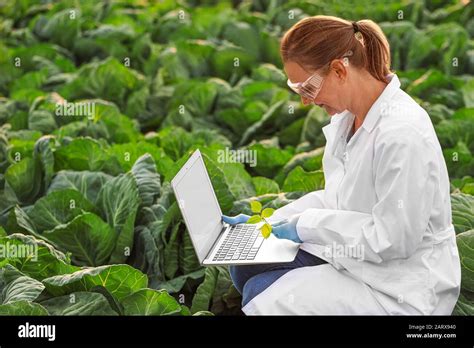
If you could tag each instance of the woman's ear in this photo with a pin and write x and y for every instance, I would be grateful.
(340, 69)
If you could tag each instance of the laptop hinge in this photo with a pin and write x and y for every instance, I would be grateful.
(224, 227)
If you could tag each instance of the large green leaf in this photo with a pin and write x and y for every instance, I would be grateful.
(176, 284)
(58, 207)
(43, 154)
(147, 179)
(86, 182)
(150, 302)
(214, 293)
(18, 286)
(119, 280)
(236, 177)
(79, 303)
(300, 180)
(23, 308)
(118, 200)
(80, 154)
(188, 261)
(171, 252)
(464, 306)
(462, 207)
(20, 222)
(270, 158)
(465, 242)
(24, 178)
(107, 79)
(264, 185)
(87, 237)
(45, 261)
(62, 27)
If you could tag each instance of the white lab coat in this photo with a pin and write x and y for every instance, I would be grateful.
(383, 221)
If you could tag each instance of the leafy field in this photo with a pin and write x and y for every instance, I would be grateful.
(91, 194)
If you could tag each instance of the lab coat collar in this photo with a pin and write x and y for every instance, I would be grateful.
(331, 129)
(381, 103)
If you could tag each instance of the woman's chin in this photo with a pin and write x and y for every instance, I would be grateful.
(330, 110)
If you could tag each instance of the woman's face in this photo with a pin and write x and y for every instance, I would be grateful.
(331, 94)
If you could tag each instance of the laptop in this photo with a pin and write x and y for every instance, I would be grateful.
(216, 242)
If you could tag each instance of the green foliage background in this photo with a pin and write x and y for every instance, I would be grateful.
(93, 194)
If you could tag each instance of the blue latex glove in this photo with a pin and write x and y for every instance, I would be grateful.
(234, 220)
(287, 229)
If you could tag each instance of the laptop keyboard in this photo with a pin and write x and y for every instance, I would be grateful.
(241, 243)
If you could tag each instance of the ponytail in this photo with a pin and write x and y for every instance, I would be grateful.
(377, 49)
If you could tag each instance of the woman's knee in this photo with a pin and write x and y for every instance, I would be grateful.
(260, 283)
(238, 275)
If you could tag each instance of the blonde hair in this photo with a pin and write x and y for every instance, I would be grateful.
(315, 41)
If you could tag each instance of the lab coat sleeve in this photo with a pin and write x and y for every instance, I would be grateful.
(406, 178)
(313, 199)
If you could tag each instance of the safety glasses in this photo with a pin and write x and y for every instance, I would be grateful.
(310, 88)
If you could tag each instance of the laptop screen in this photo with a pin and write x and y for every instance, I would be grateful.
(198, 203)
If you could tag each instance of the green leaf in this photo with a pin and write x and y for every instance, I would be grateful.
(468, 93)
(80, 154)
(87, 237)
(24, 178)
(23, 308)
(203, 296)
(254, 219)
(267, 212)
(107, 79)
(86, 182)
(256, 206)
(234, 173)
(41, 120)
(266, 230)
(300, 180)
(57, 208)
(264, 185)
(43, 154)
(150, 302)
(147, 179)
(462, 207)
(18, 287)
(464, 306)
(45, 262)
(465, 242)
(79, 303)
(20, 222)
(118, 200)
(188, 260)
(171, 254)
(271, 158)
(60, 28)
(176, 284)
(119, 280)
(213, 293)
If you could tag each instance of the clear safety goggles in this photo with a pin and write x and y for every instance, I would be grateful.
(310, 88)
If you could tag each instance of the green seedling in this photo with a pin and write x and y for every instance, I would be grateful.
(261, 215)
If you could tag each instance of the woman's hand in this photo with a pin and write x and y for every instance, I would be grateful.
(234, 220)
(287, 229)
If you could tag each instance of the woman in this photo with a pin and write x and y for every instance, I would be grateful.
(378, 239)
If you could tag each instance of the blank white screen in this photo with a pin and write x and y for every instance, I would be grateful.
(201, 210)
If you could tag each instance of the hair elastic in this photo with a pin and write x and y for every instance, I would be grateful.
(355, 26)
